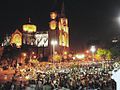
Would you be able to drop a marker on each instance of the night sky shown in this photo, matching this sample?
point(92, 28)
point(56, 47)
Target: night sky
point(88, 19)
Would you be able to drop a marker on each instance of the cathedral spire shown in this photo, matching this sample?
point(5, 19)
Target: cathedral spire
point(54, 6)
point(29, 20)
point(63, 10)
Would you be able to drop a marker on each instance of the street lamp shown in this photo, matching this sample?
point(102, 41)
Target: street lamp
point(93, 49)
point(53, 43)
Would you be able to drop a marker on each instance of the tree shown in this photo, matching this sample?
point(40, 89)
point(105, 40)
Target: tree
point(108, 54)
point(57, 58)
point(103, 54)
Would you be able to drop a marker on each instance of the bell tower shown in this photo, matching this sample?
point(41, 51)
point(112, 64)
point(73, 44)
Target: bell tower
point(59, 31)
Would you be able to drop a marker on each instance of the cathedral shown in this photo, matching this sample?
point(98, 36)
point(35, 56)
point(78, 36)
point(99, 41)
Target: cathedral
point(44, 40)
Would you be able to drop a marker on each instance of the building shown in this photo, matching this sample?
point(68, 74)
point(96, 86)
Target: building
point(41, 41)
point(6, 40)
point(29, 30)
point(16, 38)
point(59, 32)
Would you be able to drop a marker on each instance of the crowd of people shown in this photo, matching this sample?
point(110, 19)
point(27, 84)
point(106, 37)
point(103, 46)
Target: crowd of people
point(60, 76)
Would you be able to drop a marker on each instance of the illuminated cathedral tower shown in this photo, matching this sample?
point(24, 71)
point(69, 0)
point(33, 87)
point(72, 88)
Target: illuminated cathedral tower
point(59, 31)
point(63, 30)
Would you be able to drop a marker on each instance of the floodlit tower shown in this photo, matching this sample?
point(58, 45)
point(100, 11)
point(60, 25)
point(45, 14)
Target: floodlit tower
point(63, 30)
point(53, 22)
point(59, 30)
point(53, 30)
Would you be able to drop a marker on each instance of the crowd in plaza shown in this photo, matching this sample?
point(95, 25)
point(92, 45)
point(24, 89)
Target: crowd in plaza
point(60, 76)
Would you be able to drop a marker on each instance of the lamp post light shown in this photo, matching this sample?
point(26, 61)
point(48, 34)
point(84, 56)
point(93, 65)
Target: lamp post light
point(93, 49)
point(53, 43)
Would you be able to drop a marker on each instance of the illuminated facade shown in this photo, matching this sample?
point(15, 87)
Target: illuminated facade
point(59, 31)
point(63, 32)
point(16, 39)
point(28, 33)
point(29, 28)
point(53, 24)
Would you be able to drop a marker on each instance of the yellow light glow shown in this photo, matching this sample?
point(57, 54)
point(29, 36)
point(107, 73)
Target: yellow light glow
point(63, 39)
point(65, 57)
point(16, 39)
point(5, 77)
point(54, 42)
point(53, 15)
point(27, 77)
point(87, 51)
point(73, 58)
point(63, 32)
point(64, 21)
point(33, 52)
point(29, 28)
point(60, 26)
point(53, 25)
point(24, 54)
point(65, 52)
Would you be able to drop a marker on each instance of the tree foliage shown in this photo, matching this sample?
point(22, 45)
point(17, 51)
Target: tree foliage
point(103, 54)
point(57, 58)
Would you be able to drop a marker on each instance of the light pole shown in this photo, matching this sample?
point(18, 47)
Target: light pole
point(53, 43)
point(93, 49)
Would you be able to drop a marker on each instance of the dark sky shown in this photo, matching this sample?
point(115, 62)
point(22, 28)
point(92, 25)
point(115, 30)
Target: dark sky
point(88, 19)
